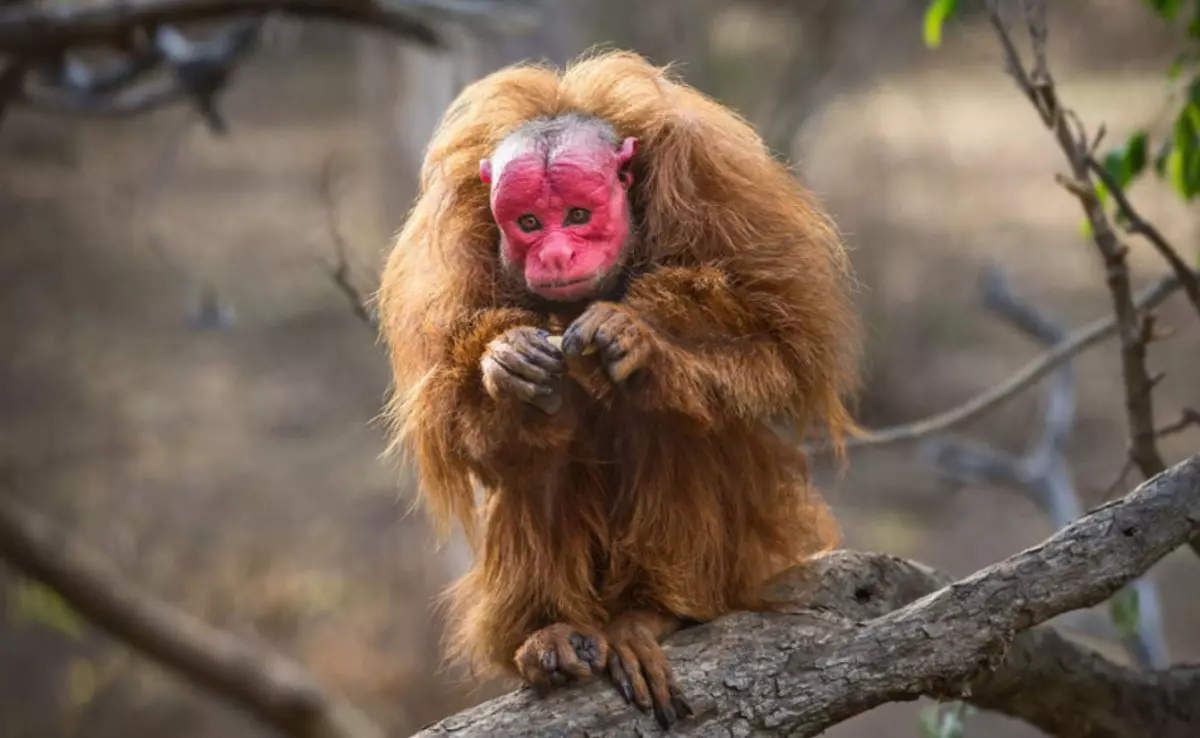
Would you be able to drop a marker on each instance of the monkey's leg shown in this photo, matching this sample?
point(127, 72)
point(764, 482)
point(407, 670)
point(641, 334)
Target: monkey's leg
point(640, 669)
point(560, 653)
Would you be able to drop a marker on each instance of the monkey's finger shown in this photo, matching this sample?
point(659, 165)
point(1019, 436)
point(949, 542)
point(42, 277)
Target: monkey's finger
point(661, 682)
point(620, 677)
point(580, 335)
point(527, 363)
point(592, 649)
point(625, 347)
point(537, 346)
point(633, 669)
point(683, 705)
point(499, 382)
point(568, 660)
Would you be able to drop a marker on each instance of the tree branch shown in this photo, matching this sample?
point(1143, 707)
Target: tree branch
point(1074, 344)
point(1077, 148)
point(1043, 471)
point(269, 686)
point(1140, 226)
point(878, 629)
point(41, 30)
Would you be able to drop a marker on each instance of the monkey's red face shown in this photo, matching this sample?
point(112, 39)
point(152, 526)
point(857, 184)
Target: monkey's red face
point(563, 215)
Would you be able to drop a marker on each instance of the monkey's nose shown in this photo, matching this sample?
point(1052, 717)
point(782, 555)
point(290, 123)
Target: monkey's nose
point(556, 257)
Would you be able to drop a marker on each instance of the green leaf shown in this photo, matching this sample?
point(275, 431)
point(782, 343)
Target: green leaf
point(929, 722)
point(936, 14)
point(35, 602)
point(1183, 164)
point(1123, 608)
point(936, 724)
point(1166, 9)
point(1160, 158)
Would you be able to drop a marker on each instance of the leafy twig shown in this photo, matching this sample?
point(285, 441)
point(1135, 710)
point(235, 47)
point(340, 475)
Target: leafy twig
point(1073, 141)
point(1138, 225)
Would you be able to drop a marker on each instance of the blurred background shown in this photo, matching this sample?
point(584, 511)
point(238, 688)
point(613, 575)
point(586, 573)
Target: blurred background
point(186, 388)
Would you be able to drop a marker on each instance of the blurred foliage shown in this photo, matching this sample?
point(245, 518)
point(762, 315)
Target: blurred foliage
point(1123, 608)
point(945, 721)
point(1176, 158)
point(34, 602)
point(1177, 153)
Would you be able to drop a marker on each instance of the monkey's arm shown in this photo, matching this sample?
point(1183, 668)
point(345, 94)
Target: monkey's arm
point(688, 341)
point(496, 434)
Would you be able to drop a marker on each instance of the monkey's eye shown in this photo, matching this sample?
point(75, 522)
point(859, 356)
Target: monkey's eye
point(529, 223)
point(577, 216)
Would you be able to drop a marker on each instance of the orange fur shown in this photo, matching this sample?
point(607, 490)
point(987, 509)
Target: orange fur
point(669, 492)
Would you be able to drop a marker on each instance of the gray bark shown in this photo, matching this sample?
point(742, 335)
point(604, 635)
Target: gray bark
point(876, 629)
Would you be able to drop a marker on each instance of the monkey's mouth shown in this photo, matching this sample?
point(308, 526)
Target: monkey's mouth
point(568, 290)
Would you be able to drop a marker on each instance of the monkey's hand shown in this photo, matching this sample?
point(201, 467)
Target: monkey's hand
point(639, 668)
point(520, 363)
point(625, 342)
point(560, 653)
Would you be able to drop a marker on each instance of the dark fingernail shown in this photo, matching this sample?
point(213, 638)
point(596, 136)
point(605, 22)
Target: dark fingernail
point(683, 706)
point(572, 344)
point(664, 715)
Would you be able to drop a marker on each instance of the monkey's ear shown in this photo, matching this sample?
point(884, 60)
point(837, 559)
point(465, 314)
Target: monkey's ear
point(485, 171)
point(628, 149)
point(624, 156)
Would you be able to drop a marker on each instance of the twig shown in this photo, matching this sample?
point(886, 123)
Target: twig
point(38, 30)
point(339, 271)
point(1138, 225)
point(1143, 448)
point(867, 636)
point(269, 686)
point(1076, 343)
point(146, 34)
point(1043, 471)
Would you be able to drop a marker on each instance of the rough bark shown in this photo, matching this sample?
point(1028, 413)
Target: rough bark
point(877, 629)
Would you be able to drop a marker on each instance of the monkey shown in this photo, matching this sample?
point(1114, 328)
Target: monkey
point(606, 299)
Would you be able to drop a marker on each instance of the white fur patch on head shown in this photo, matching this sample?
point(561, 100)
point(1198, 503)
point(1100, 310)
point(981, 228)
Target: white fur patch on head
point(548, 136)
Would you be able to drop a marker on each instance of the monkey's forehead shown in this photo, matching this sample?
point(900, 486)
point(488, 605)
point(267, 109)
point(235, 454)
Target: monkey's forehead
point(582, 147)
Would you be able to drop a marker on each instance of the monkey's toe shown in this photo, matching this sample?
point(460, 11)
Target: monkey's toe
point(639, 669)
point(560, 654)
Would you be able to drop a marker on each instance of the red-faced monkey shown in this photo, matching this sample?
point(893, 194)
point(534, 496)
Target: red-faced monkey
point(605, 294)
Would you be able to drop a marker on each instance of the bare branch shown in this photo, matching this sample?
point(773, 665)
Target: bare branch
point(1043, 471)
point(1075, 344)
point(1142, 227)
point(339, 271)
point(1075, 148)
point(270, 687)
point(878, 629)
point(40, 30)
point(146, 36)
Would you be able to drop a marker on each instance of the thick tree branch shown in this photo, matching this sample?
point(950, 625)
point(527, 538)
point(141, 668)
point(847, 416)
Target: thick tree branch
point(878, 629)
point(270, 687)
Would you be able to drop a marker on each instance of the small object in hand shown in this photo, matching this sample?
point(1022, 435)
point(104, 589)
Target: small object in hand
point(556, 342)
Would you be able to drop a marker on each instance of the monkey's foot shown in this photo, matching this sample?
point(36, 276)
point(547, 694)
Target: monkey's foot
point(560, 653)
point(640, 669)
